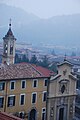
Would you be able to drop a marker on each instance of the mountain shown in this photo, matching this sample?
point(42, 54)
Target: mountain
point(60, 30)
point(56, 31)
point(19, 17)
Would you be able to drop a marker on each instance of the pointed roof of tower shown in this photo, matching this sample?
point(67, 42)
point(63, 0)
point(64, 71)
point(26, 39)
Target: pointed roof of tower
point(65, 62)
point(9, 33)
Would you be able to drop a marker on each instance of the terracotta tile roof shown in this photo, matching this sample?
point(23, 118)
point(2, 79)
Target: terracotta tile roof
point(23, 70)
point(17, 71)
point(43, 71)
point(5, 116)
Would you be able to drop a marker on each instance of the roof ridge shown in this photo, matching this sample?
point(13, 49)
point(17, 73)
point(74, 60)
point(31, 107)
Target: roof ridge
point(36, 69)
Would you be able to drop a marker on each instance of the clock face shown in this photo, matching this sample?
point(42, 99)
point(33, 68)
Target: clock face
point(62, 89)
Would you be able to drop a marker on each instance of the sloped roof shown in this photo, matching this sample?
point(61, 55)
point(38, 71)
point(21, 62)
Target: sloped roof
point(9, 34)
point(44, 71)
point(55, 77)
point(65, 62)
point(5, 116)
point(20, 71)
point(16, 71)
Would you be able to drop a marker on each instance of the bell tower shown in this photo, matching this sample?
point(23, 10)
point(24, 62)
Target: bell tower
point(9, 47)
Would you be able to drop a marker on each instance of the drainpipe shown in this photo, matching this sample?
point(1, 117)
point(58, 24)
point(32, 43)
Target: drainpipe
point(47, 95)
point(5, 104)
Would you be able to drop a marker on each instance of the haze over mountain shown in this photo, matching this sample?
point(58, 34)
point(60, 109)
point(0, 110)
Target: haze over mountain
point(58, 30)
point(19, 17)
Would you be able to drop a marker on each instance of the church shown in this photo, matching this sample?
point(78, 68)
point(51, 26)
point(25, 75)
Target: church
point(61, 94)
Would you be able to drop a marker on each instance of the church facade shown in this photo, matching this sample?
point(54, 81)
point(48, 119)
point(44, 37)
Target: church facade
point(61, 94)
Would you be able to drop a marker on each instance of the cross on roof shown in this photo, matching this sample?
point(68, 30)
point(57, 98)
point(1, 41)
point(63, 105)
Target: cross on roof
point(10, 23)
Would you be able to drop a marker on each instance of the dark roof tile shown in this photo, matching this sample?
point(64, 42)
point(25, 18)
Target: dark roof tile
point(5, 116)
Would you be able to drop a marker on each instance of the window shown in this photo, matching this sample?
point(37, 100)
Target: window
point(5, 48)
point(1, 102)
point(2, 86)
point(12, 85)
point(35, 83)
point(43, 114)
point(23, 84)
point(21, 114)
point(45, 82)
point(22, 99)
point(11, 101)
point(44, 96)
point(64, 86)
point(11, 49)
point(34, 97)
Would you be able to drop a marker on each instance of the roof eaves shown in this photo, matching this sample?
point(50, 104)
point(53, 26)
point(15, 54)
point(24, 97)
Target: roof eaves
point(55, 77)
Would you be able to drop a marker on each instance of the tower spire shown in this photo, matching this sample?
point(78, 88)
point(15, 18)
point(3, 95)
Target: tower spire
point(65, 57)
point(10, 23)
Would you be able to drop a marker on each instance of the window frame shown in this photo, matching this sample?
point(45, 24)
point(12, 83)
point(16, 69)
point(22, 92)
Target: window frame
point(21, 84)
point(14, 85)
point(44, 82)
point(3, 87)
point(3, 101)
point(11, 49)
point(13, 101)
point(36, 83)
point(43, 112)
point(32, 98)
point(20, 99)
point(43, 96)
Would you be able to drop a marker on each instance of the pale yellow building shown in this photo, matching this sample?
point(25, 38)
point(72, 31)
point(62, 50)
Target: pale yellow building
point(23, 91)
point(61, 94)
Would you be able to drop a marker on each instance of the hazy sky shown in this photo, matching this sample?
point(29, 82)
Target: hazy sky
point(47, 8)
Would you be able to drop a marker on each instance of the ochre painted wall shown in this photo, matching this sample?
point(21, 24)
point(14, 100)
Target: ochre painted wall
point(28, 93)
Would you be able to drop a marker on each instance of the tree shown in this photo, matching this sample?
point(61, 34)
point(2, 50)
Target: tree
point(24, 58)
point(45, 62)
point(33, 59)
point(53, 67)
point(17, 59)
